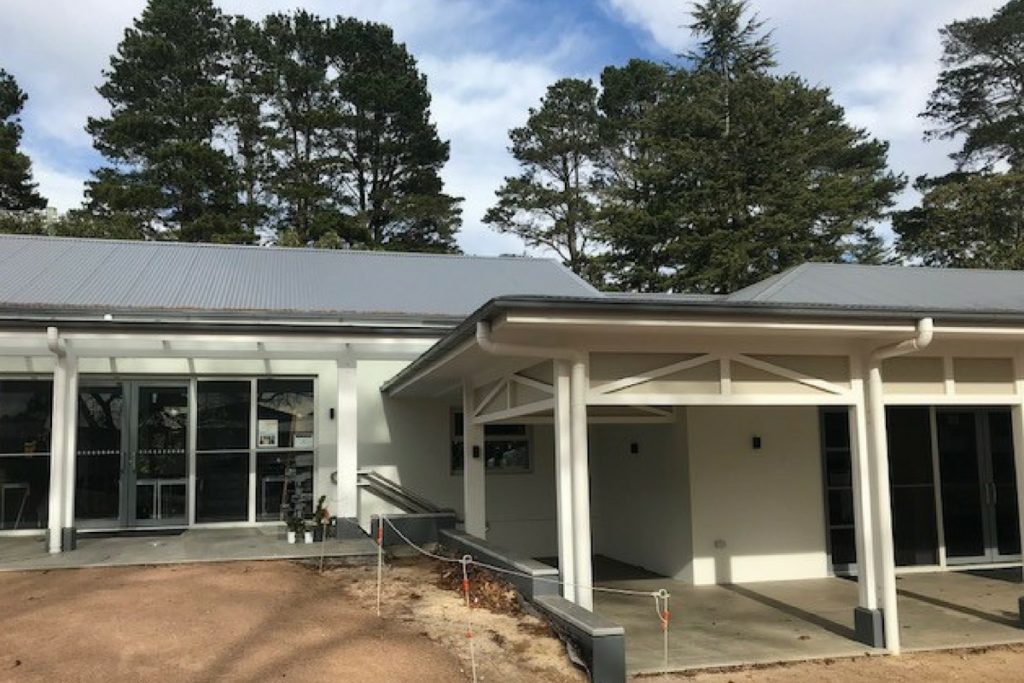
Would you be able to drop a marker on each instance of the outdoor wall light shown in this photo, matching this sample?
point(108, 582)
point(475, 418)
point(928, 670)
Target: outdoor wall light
point(331, 413)
point(634, 448)
point(756, 443)
point(476, 452)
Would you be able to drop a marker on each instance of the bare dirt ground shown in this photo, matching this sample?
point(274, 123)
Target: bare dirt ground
point(262, 621)
point(258, 621)
point(1003, 664)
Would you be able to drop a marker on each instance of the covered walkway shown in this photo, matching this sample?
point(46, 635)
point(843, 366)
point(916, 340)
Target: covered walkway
point(777, 621)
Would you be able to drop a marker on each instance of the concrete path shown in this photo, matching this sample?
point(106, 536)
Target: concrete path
point(194, 545)
point(721, 626)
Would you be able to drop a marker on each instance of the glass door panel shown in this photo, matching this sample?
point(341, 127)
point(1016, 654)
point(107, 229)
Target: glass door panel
point(962, 501)
point(1003, 488)
point(99, 455)
point(915, 533)
point(159, 457)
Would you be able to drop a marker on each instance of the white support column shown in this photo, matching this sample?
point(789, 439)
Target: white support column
point(58, 446)
point(1018, 448)
point(347, 457)
point(563, 478)
point(474, 491)
point(578, 386)
point(70, 448)
point(881, 509)
point(866, 617)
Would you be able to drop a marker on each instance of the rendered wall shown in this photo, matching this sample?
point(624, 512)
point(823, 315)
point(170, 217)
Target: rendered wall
point(409, 441)
point(641, 501)
point(758, 515)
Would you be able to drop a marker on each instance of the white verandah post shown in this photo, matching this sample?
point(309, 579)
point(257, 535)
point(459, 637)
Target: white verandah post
point(867, 619)
point(1018, 451)
point(882, 507)
point(70, 452)
point(563, 478)
point(474, 492)
point(578, 387)
point(58, 447)
point(346, 457)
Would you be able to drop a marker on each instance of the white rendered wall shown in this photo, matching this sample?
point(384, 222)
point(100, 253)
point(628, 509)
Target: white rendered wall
point(409, 441)
point(758, 515)
point(641, 501)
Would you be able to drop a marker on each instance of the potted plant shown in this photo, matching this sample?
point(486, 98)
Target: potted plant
point(321, 520)
point(307, 533)
point(295, 526)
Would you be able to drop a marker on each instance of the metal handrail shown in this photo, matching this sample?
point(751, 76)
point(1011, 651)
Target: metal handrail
point(395, 493)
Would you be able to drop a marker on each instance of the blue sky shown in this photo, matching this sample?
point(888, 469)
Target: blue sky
point(487, 61)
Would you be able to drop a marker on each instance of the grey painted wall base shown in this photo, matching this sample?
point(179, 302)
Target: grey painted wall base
point(532, 578)
point(867, 626)
point(68, 538)
point(601, 643)
point(418, 528)
point(1020, 611)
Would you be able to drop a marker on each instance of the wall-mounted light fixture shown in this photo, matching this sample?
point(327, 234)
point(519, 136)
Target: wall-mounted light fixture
point(756, 443)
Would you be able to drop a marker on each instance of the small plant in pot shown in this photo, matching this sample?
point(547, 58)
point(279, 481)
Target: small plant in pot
point(307, 533)
point(321, 520)
point(296, 525)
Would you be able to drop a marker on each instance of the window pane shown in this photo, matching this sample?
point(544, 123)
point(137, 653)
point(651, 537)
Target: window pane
point(224, 414)
point(837, 429)
point(280, 477)
point(915, 536)
point(222, 487)
point(507, 454)
point(843, 546)
point(98, 461)
point(25, 407)
point(285, 412)
point(910, 445)
point(24, 488)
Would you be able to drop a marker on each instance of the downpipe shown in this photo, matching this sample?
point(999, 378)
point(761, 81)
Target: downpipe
point(879, 454)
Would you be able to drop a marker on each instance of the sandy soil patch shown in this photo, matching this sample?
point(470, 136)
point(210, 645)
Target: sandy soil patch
point(258, 621)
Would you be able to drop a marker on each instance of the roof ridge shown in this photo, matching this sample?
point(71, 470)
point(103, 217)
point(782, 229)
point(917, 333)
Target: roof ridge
point(272, 247)
point(784, 278)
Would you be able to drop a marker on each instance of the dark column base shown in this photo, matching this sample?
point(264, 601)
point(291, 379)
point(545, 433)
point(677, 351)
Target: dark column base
point(867, 625)
point(68, 538)
point(1020, 611)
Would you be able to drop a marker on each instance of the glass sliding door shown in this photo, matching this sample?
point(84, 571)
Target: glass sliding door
point(962, 491)
point(100, 456)
point(912, 486)
point(158, 459)
point(222, 450)
point(1002, 473)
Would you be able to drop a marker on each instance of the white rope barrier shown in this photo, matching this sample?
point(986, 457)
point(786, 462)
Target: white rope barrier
point(661, 596)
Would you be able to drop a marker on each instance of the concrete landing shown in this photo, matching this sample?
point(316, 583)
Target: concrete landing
point(194, 545)
point(779, 621)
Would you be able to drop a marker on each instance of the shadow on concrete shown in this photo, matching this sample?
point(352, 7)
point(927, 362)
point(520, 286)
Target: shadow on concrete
point(794, 611)
point(1010, 618)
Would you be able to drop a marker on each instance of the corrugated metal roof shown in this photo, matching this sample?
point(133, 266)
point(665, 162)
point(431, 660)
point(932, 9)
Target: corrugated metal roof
point(61, 274)
point(896, 287)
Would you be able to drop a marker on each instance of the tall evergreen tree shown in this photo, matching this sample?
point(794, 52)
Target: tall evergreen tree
point(972, 217)
point(740, 173)
point(167, 94)
point(17, 191)
point(391, 150)
point(551, 204)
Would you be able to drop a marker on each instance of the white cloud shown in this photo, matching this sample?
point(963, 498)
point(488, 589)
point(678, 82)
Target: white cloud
point(64, 190)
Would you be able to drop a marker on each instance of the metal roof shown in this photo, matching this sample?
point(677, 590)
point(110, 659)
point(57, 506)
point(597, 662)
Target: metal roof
point(101, 276)
point(890, 287)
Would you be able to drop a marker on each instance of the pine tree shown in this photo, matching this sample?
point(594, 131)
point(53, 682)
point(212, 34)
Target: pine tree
point(971, 217)
point(17, 191)
point(167, 93)
point(551, 204)
point(738, 173)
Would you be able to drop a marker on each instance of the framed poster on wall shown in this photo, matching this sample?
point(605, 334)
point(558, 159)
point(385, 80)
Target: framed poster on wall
point(266, 436)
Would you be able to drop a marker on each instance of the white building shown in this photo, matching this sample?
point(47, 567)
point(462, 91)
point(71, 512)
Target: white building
point(828, 419)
